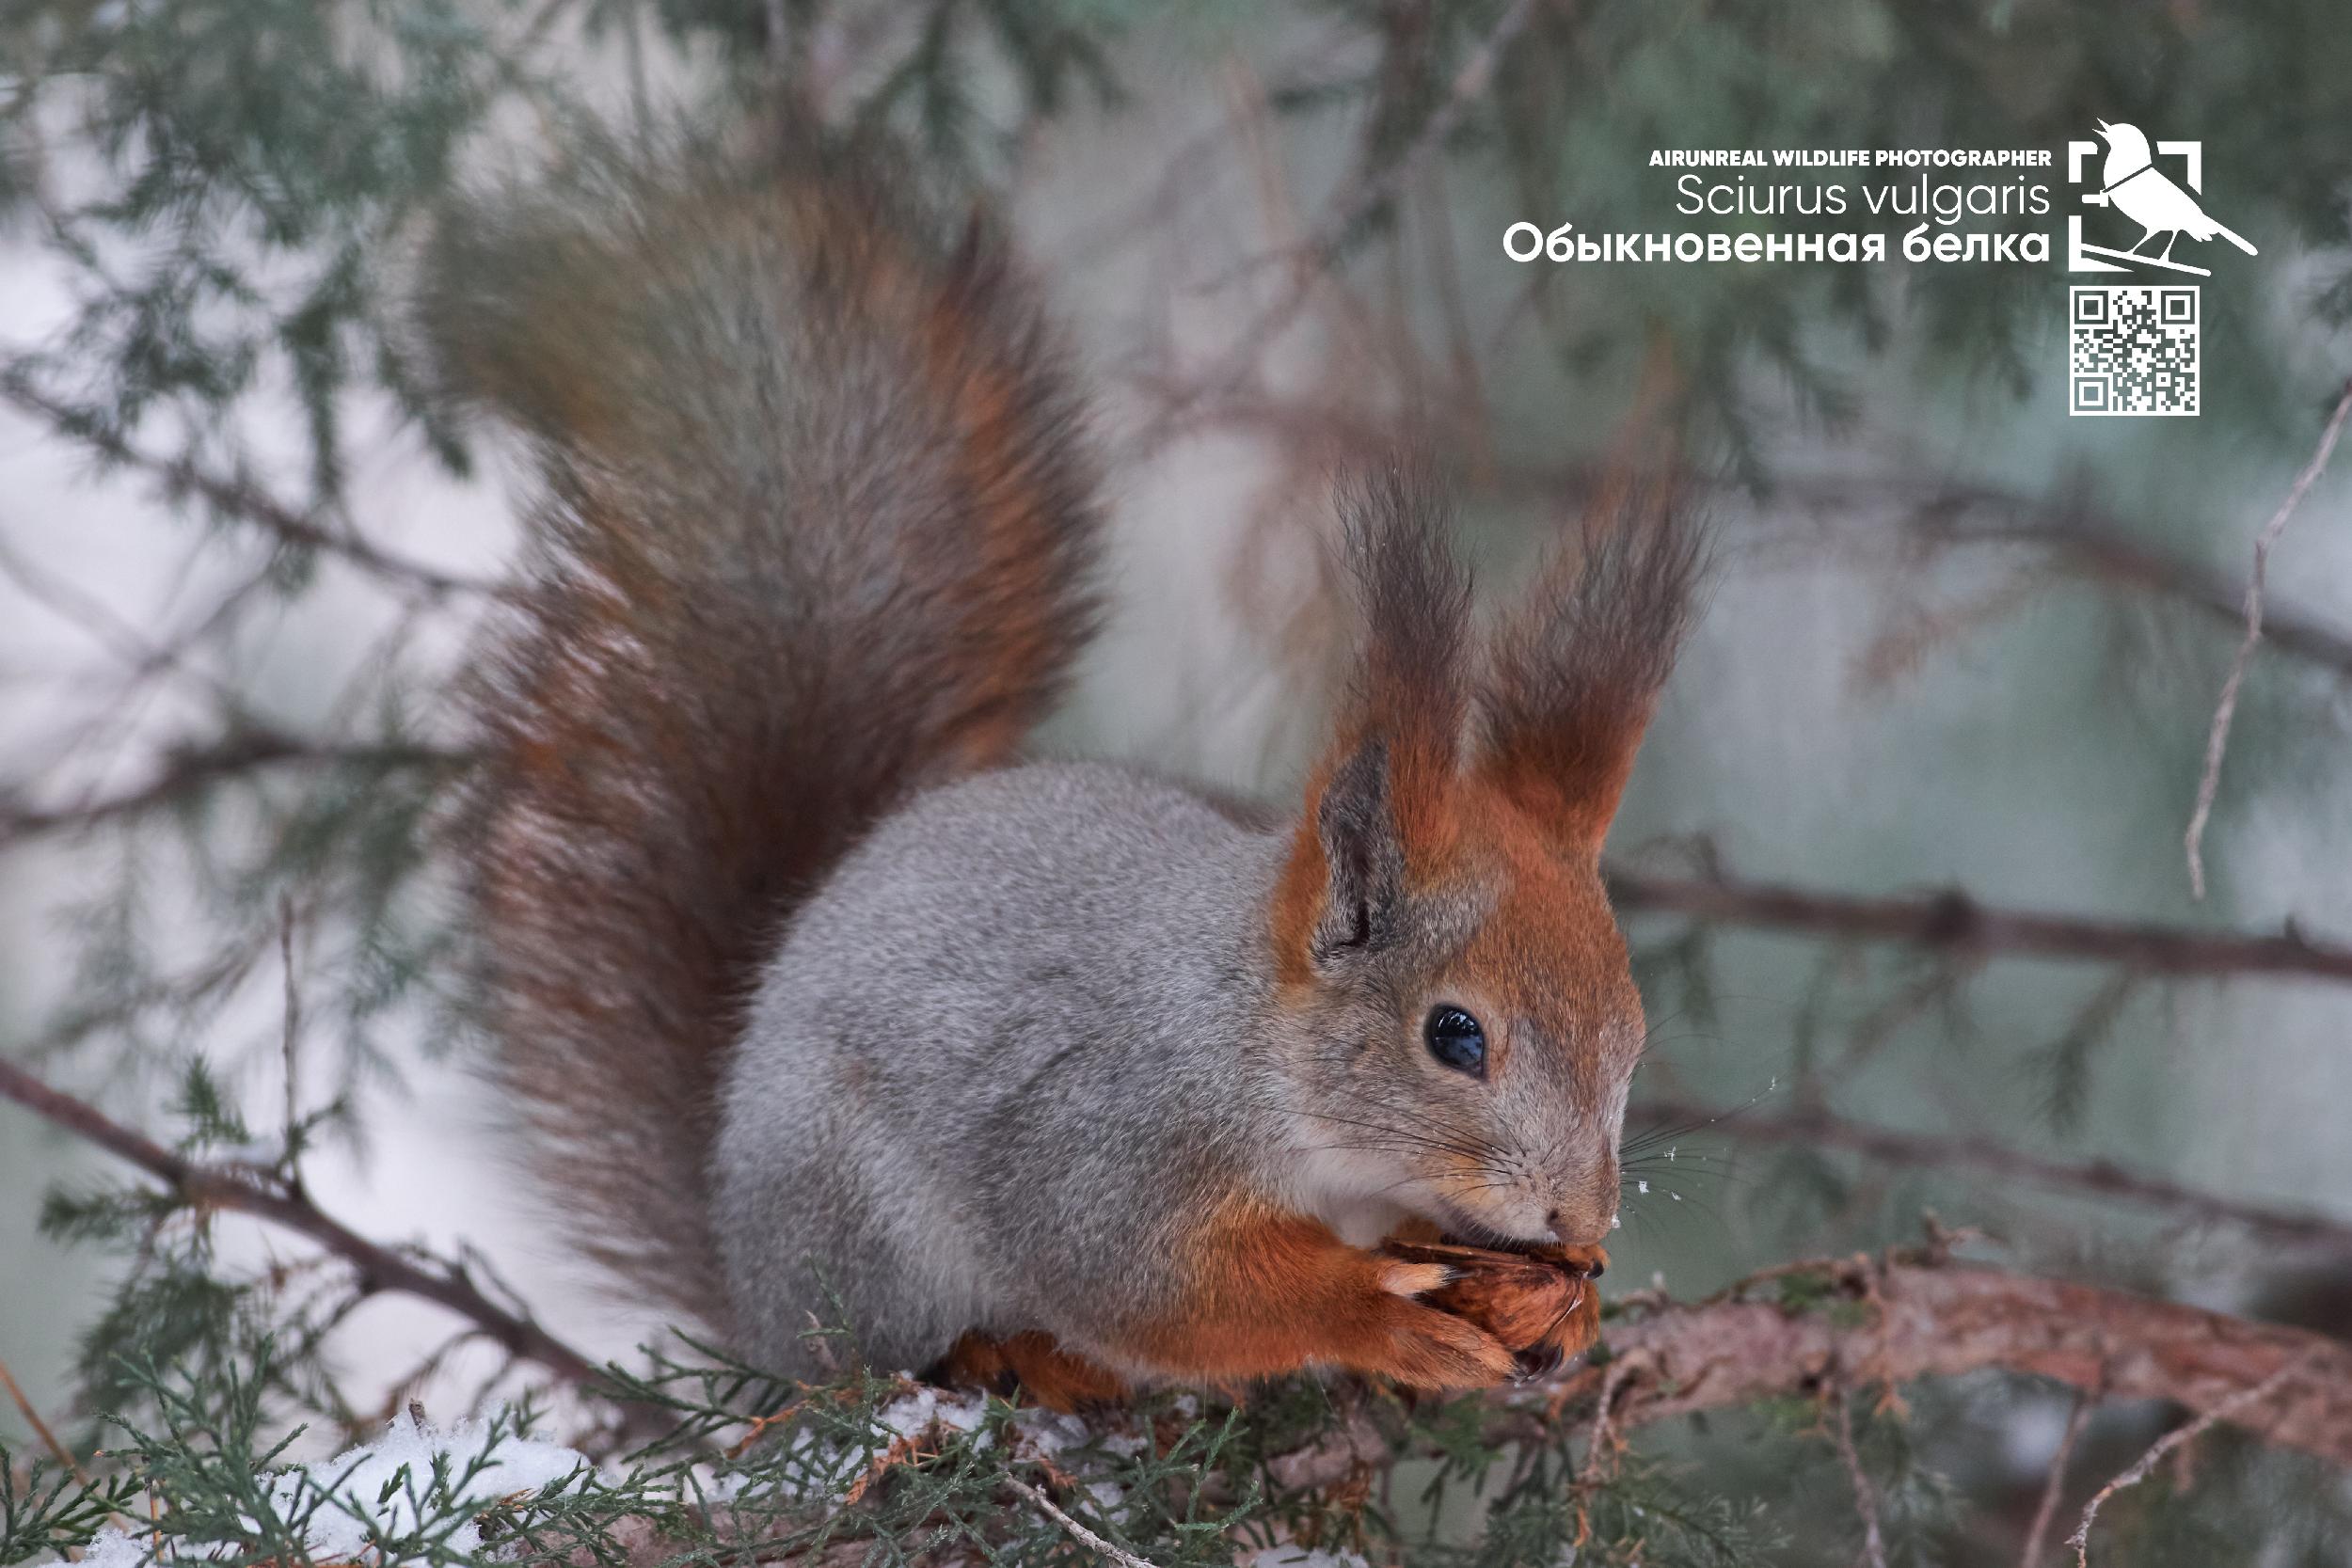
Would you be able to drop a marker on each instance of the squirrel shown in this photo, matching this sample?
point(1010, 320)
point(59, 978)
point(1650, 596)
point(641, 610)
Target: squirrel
point(820, 1004)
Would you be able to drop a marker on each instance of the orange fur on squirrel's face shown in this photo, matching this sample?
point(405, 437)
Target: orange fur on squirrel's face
point(1491, 925)
point(1467, 1023)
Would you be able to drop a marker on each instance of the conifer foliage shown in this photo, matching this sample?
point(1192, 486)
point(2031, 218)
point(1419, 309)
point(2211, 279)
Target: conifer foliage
point(251, 939)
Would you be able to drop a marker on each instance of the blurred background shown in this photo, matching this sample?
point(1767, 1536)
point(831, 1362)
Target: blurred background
point(1960, 645)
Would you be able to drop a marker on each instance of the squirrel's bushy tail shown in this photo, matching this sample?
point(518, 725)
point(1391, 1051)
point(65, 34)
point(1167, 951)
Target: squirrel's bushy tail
point(814, 527)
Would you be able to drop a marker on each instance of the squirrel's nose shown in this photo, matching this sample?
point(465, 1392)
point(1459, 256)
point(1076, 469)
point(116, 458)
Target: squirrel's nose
point(1559, 1233)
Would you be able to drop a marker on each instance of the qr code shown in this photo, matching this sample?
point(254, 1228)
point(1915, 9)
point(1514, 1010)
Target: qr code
point(2132, 351)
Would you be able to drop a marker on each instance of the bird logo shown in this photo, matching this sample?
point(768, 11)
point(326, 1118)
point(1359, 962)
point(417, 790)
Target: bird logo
point(2132, 185)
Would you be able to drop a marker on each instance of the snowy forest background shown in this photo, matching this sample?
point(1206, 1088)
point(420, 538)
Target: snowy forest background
point(1903, 862)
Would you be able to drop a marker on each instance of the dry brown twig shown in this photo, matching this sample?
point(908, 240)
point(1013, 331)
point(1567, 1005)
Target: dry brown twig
point(2178, 1436)
point(2217, 739)
point(1601, 1445)
point(1077, 1531)
point(1866, 1500)
point(2055, 1486)
point(758, 1427)
point(25, 1407)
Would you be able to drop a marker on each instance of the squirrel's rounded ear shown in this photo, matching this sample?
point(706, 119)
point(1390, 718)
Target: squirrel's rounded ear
point(1573, 676)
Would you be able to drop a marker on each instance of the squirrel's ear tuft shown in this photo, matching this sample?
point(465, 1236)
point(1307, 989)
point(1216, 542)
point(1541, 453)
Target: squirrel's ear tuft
point(1573, 676)
point(1384, 794)
point(1413, 598)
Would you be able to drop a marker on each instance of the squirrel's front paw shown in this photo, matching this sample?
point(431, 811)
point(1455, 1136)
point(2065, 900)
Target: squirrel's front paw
point(1541, 1305)
point(1426, 1347)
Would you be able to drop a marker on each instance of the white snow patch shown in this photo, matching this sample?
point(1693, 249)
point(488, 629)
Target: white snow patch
point(918, 1411)
point(336, 1527)
point(114, 1549)
point(1050, 1433)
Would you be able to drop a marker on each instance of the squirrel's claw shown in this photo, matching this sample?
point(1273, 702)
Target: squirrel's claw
point(1538, 1361)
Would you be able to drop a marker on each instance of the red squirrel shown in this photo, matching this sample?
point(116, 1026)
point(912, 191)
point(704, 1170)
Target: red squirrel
point(821, 1006)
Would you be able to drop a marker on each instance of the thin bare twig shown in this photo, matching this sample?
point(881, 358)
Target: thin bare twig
point(2055, 1487)
point(41, 1427)
point(1957, 923)
point(1600, 1444)
point(2188, 1433)
point(1365, 196)
point(290, 1039)
point(2088, 545)
point(1078, 1531)
point(1820, 1129)
point(126, 641)
point(1866, 1500)
point(2217, 740)
point(379, 1268)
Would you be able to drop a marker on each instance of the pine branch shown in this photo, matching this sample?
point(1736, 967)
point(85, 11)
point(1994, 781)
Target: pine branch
point(1956, 923)
point(1820, 1129)
point(286, 1205)
point(235, 758)
point(1909, 1316)
point(237, 498)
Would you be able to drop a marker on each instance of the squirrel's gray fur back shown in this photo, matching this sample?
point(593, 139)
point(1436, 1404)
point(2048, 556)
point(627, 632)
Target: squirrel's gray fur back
point(996, 1065)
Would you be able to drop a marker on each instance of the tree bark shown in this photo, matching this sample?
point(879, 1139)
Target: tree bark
point(1930, 1319)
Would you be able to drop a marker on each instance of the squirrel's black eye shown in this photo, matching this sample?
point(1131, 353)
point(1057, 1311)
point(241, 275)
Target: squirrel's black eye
point(1457, 1039)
